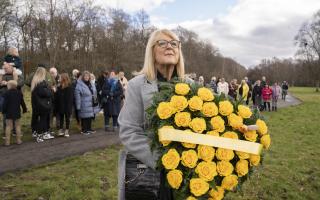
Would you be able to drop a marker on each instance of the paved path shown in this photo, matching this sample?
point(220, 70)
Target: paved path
point(28, 154)
point(31, 154)
point(290, 101)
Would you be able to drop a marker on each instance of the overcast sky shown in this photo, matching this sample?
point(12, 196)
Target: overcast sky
point(245, 30)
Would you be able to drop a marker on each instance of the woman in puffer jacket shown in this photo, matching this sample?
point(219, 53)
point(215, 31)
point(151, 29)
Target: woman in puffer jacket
point(86, 102)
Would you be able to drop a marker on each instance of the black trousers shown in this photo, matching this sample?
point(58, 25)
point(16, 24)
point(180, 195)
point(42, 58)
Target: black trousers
point(42, 122)
point(62, 117)
point(86, 124)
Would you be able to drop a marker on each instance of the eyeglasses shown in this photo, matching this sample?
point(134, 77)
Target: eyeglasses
point(164, 43)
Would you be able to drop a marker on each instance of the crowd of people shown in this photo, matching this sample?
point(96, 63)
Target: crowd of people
point(263, 95)
point(57, 97)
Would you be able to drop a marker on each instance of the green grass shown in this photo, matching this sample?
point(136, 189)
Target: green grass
point(291, 168)
point(91, 176)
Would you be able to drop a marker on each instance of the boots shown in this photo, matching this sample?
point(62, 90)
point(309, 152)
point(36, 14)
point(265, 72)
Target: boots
point(275, 108)
point(66, 133)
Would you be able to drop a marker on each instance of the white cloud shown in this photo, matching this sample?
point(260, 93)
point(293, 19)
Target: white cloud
point(132, 6)
point(255, 29)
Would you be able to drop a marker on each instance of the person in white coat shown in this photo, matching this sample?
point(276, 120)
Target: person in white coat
point(223, 87)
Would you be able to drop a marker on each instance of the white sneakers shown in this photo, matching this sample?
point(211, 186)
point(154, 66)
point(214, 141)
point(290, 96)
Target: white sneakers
point(47, 136)
point(66, 133)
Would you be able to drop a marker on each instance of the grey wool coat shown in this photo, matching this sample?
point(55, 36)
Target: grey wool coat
point(132, 121)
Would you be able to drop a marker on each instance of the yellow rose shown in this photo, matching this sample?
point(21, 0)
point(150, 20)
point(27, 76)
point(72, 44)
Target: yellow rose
point(213, 133)
point(217, 123)
point(189, 145)
point(165, 110)
point(229, 182)
point(262, 127)
point(195, 103)
point(209, 109)
point(242, 155)
point(265, 141)
point(189, 158)
point(182, 119)
point(182, 88)
point(206, 170)
point(244, 111)
point(198, 186)
point(254, 160)
point(242, 167)
point(251, 136)
point(225, 108)
point(224, 154)
point(171, 159)
point(206, 153)
point(179, 102)
point(217, 194)
point(198, 125)
point(166, 142)
point(174, 178)
point(230, 134)
point(235, 121)
point(205, 94)
point(191, 198)
point(224, 168)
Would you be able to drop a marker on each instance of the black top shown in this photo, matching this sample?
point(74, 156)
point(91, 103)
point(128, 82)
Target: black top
point(64, 100)
point(41, 98)
point(15, 60)
point(13, 99)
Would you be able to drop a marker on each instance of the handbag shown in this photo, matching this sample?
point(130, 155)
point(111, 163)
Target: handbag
point(141, 182)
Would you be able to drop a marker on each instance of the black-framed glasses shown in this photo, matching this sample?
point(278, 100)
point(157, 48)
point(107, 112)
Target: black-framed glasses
point(164, 43)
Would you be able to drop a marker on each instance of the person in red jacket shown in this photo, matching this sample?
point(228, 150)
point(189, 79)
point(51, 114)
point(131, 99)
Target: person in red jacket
point(266, 95)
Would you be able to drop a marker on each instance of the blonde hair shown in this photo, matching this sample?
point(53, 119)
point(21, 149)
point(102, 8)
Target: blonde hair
point(12, 84)
point(38, 77)
point(13, 51)
point(149, 68)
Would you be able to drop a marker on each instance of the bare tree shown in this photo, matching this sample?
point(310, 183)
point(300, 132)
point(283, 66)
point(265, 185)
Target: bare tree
point(308, 41)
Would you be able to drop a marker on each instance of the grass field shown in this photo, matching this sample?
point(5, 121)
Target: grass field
point(291, 168)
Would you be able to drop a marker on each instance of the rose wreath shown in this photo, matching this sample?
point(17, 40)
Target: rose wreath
point(208, 145)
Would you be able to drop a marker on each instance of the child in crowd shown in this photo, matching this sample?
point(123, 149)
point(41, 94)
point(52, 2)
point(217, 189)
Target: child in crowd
point(64, 101)
point(13, 99)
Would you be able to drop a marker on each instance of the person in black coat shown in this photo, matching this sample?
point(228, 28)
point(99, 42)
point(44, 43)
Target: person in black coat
point(257, 94)
point(111, 99)
point(64, 103)
point(13, 58)
point(13, 99)
point(41, 100)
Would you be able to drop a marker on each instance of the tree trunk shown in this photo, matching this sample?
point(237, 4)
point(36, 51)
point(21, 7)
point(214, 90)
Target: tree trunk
point(317, 85)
